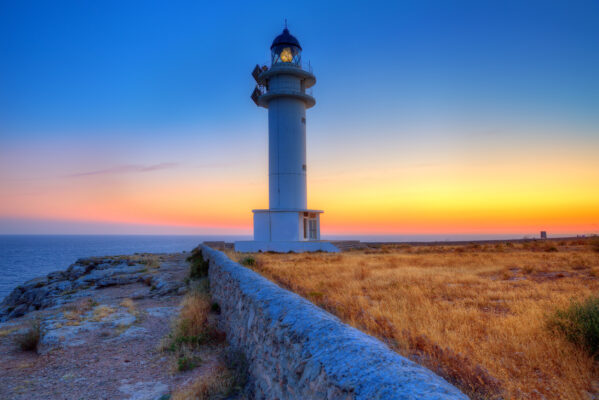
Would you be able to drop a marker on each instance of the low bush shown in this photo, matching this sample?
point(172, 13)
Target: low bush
point(29, 340)
point(580, 324)
point(248, 261)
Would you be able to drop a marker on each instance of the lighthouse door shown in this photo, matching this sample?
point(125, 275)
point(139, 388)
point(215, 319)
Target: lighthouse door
point(310, 227)
point(313, 229)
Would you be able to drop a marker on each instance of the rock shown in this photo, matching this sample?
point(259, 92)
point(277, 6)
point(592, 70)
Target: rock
point(129, 269)
point(134, 332)
point(18, 311)
point(75, 271)
point(140, 294)
point(13, 297)
point(104, 265)
point(161, 312)
point(121, 319)
point(118, 280)
point(56, 276)
point(59, 287)
point(144, 390)
point(35, 283)
point(34, 297)
point(162, 287)
point(67, 335)
point(93, 277)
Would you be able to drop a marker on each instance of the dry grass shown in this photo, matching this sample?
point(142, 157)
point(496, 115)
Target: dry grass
point(194, 342)
point(190, 332)
point(193, 319)
point(217, 382)
point(129, 304)
point(152, 261)
point(101, 312)
point(477, 314)
point(75, 312)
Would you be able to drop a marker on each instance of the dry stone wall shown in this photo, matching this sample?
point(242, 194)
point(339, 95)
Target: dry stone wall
point(296, 350)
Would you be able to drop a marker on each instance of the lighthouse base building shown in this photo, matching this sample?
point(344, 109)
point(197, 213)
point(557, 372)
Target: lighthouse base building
point(287, 225)
point(283, 231)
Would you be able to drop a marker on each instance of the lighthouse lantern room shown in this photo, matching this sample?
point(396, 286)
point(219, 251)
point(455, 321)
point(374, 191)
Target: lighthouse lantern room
point(287, 224)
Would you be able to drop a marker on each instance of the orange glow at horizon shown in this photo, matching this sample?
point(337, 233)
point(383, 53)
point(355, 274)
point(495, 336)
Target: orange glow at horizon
point(455, 198)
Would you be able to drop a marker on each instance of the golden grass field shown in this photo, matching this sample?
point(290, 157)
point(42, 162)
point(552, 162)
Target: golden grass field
point(474, 313)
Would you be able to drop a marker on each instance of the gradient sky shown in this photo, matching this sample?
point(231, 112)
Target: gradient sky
point(431, 116)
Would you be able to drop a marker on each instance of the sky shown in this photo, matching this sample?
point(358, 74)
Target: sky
point(431, 117)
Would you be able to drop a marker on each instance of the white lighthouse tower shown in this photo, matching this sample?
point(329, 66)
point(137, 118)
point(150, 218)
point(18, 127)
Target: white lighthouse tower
point(288, 224)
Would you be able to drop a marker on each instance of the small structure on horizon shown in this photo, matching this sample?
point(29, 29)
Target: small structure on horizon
point(288, 224)
point(543, 234)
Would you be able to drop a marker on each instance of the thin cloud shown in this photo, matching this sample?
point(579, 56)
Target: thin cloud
point(125, 169)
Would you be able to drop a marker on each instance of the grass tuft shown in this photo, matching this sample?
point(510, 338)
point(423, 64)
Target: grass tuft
point(101, 312)
point(218, 382)
point(29, 340)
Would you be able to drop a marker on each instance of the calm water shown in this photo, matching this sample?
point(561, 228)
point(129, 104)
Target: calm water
point(23, 257)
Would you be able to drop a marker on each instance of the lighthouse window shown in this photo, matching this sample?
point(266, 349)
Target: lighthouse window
point(286, 55)
point(304, 167)
point(303, 120)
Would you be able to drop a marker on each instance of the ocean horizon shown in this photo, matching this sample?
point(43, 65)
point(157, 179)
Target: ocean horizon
point(24, 257)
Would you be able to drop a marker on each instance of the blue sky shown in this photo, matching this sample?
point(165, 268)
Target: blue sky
point(94, 86)
point(72, 65)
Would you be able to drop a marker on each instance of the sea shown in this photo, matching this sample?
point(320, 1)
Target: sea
point(23, 257)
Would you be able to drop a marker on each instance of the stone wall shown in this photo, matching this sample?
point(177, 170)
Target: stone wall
point(296, 350)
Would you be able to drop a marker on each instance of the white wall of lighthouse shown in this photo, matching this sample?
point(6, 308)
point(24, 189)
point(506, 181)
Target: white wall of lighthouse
point(287, 152)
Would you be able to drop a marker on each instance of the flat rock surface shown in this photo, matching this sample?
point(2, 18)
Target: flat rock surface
point(100, 337)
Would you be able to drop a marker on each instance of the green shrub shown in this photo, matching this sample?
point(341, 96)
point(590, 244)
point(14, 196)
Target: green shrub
point(551, 249)
point(198, 267)
point(187, 363)
point(29, 340)
point(580, 324)
point(248, 261)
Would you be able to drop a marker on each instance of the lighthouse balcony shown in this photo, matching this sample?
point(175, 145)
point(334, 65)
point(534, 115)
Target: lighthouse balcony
point(264, 99)
point(287, 69)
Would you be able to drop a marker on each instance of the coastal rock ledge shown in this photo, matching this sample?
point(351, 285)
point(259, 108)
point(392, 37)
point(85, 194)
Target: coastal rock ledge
point(85, 274)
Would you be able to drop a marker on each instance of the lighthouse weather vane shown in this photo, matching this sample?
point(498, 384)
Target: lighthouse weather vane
point(288, 224)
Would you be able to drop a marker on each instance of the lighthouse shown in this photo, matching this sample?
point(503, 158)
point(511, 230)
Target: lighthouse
point(283, 89)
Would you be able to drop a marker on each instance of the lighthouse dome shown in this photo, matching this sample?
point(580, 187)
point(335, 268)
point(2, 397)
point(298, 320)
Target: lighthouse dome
point(285, 38)
point(286, 49)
